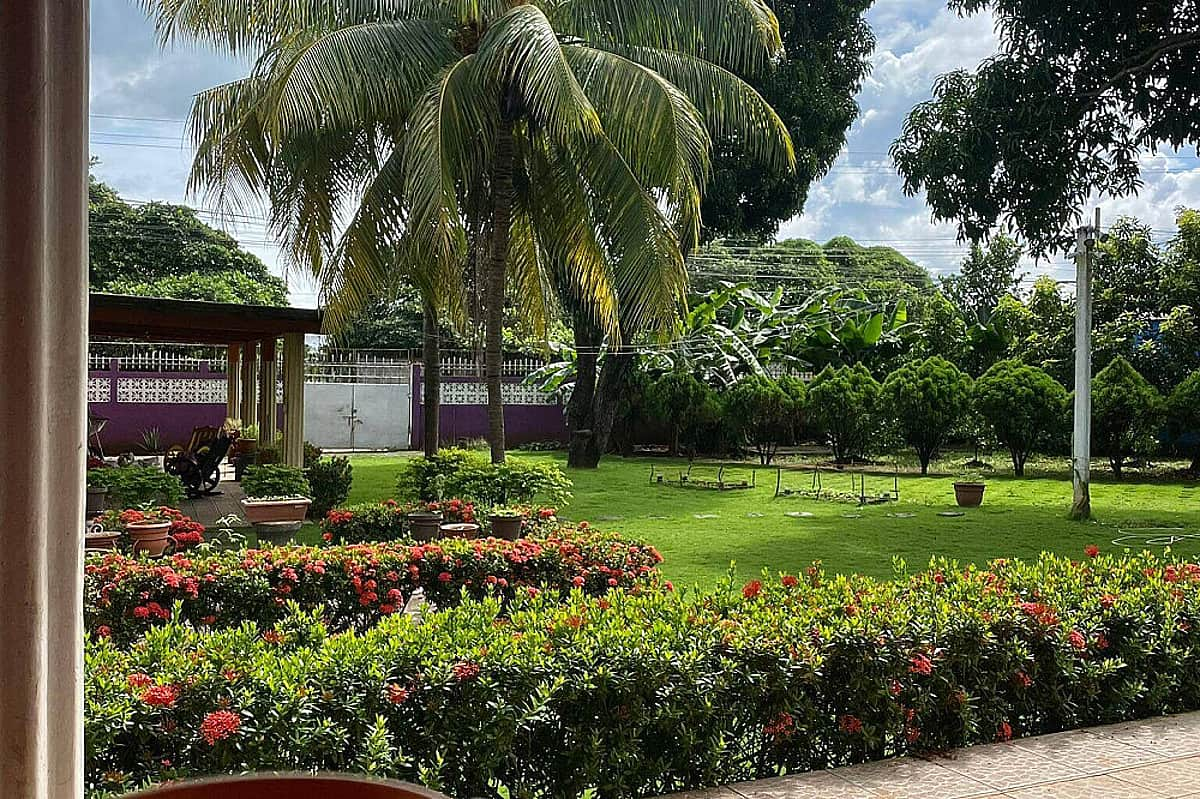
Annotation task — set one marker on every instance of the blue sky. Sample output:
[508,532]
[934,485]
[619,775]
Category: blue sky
[140,95]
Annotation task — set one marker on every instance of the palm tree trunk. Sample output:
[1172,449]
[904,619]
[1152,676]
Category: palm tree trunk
[432,390]
[493,335]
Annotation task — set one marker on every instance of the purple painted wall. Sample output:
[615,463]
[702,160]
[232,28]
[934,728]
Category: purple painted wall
[522,423]
[174,420]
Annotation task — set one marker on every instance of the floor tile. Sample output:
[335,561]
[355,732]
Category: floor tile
[704,793]
[1086,788]
[907,778]
[1172,778]
[1090,754]
[1005,766]
[815,785]
[1170,736]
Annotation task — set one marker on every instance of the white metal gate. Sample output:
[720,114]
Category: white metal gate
[355,401]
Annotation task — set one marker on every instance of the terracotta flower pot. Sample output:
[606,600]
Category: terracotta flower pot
[460,530]
[969,495]
[260,511]
[506,527]
[424,525]
[100,541]
[149,537]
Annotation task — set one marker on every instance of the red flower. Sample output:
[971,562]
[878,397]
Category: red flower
[138,680]
[327,536]
[577,581]
[850,724]
[103,631]
[1101,641]
[141,612]
[612,582]
[752,589]
[1004,733]
[920,664]
[464,671]
[396,695]
[272,636]
[1077,640]
[939,578]
[782,726]
[219,725]
[1023,679]
[209,620]
[160,695]
[895,688]
[444,577]
[1091,550]
[911,733]
[790,581]
[1107,601]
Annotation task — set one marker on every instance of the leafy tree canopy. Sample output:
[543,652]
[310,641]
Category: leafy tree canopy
[827,46]
[164,250]
[761,412]
[1024,406]
[1078,89]
[988,274]
[927,402]
[1126,411]
[843,403]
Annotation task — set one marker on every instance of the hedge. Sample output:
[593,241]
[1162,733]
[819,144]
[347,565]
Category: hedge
[632,695]
[386,520]
[355,585]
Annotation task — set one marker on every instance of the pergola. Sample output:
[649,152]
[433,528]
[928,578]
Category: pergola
[249,332]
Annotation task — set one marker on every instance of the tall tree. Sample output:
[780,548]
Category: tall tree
[562,134]
[1078,90]
[827,46]
[987,275]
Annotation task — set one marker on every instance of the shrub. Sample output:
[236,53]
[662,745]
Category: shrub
[1025,408]
[639,695]
[797,391]
[843,404]
[274,480]
[185,532]
[312,454]
[1126,413]
[385,521]
[330,482]
[471,476]
[135,486]
[927,401]
[355,585]
[684,404]
[1183,410]
[761,413]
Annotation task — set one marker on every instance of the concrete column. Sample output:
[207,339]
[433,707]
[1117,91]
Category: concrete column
[267,378]
[250,384]
[293,399]
[43,405]
[233,381]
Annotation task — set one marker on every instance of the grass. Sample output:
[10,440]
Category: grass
[700,533]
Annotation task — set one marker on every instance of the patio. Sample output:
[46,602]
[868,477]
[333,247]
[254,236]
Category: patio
[1137,760]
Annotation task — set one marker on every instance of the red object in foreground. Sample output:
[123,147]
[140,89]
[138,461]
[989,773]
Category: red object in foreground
[288,786]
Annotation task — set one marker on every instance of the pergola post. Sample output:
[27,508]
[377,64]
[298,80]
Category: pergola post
[250,384]
[293,399]
[267,378]
[233,387]
[43,352]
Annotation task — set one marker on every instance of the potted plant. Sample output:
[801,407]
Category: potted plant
[244,447]
[460,530]
[275,493]
[969,494]
[148,529]
[97,539]
[424,525]
[505,521]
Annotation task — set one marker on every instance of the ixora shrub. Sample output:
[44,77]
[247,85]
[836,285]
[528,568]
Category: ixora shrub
[385,521]
[761,412]
[275,480]
[927,402]
[135,486]
[329,480]
[1183,413]
[1025,408]
[639,695]
[1126,413]
[843,405]
[472,476]
[356,585]
[184,531]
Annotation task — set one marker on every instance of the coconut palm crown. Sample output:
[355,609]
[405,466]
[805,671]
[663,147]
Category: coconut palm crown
[547,142]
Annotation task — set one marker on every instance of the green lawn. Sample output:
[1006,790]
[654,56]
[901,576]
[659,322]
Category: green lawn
[1019,518]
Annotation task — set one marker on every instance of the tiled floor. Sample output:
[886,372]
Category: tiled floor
[1139,760]
[207,510]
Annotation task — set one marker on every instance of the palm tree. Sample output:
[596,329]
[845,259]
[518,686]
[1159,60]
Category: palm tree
[537,135]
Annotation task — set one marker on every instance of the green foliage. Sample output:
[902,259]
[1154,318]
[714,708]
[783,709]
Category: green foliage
[986,276]
[275,480]
[329,480]
[356,585]
[1025,408]
[136,486]
[164,250]
[762,413]
[1126,413]
[471,476]
[1062,113]
[546,697]
[843,404]
[927,402]
[1184,414]
[685,404]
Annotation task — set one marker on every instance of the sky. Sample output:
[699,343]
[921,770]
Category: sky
[141,94]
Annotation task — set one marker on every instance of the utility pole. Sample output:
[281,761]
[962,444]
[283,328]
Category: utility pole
[1081,450]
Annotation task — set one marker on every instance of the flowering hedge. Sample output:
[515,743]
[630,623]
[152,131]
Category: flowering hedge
[649,693]
[386,520]
[185,532]
[356,585]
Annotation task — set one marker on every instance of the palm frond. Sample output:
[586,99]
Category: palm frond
[232,157]
[741,35]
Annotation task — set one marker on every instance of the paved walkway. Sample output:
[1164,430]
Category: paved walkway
[1138,760]
[207,510]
